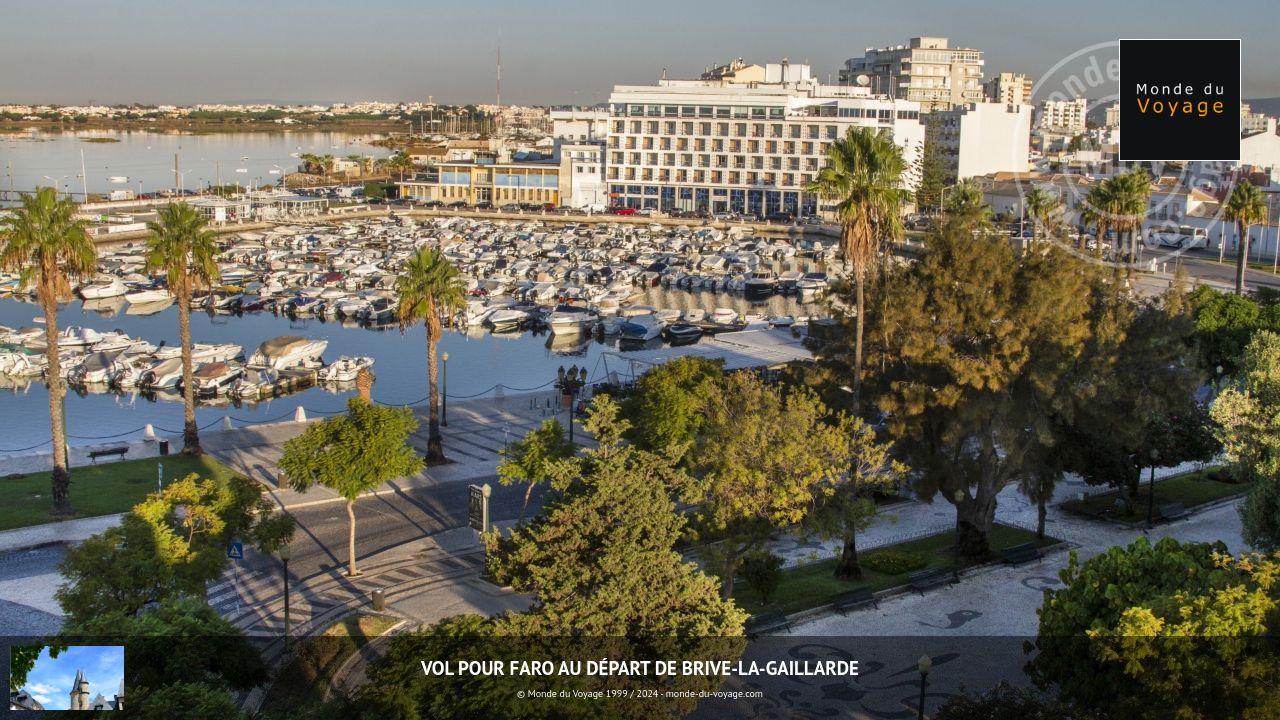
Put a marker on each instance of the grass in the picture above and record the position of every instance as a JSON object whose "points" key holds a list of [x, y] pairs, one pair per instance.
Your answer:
{"points": [[812, 585], [1191, 489], [104, 489], [304, 680]]}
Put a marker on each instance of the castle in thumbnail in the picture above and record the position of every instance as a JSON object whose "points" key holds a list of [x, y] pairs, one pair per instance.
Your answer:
{"points": [[22, 700]]}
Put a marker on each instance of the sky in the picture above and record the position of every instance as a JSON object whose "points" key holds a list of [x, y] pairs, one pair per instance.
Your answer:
{"points": [[49, 682], [553, 52]]}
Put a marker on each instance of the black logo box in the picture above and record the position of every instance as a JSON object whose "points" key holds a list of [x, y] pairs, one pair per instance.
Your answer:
{"points": [[1184, 64]]}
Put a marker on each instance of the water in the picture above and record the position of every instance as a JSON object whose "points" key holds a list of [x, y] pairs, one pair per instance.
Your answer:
{"points": [[34, 158], [477, 362]]}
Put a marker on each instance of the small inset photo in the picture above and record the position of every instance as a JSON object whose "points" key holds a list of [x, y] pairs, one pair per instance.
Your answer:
{"points": [[66, 677]]}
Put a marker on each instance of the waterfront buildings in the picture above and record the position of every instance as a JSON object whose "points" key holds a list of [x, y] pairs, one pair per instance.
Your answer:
{"points": [[485, 180], [1009, 88], [741, 138], [983, 138], [926, 70], [582, 183], [580, 125]]}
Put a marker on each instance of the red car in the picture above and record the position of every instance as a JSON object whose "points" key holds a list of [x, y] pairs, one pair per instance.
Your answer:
{"points": [[624, 211]]}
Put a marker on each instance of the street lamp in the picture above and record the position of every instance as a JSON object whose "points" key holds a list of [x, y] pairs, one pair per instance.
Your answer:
{"points": [[1151, 487], [284, 560], [55, 181], [444, 393], [569, 384], [958, 496], [924, 665]]}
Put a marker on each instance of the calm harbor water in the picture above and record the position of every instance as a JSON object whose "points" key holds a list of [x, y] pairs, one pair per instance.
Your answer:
{"points": [[36, 158], [477, 363]]}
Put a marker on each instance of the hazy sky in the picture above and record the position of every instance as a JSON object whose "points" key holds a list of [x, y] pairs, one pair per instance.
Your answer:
{"points": [[553, 51]]}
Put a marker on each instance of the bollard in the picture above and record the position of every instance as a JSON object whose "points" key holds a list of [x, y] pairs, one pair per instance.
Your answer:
{"points": [[379, 599], [300, 414], [226, 422], [148, 433], [164, 447]]}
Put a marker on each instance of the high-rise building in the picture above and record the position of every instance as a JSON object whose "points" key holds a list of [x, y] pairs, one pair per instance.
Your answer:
{"points": [[983, 138], [1009, 88], [741, 138], [1063, 116], [925, 71]]}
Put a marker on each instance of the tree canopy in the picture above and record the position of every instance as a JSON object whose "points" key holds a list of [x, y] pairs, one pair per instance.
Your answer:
{"points": [[1250, 432]]}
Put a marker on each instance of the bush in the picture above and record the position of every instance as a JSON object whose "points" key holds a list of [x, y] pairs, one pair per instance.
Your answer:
{"points": [[762, 572], [1004, 702], [893, 562]]}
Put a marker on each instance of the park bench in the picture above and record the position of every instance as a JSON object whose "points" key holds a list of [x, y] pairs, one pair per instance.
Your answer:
{"points": [[922, 580], [858, 597], [107, 452], [767, 621], [1018, 554], [1174, 511]]}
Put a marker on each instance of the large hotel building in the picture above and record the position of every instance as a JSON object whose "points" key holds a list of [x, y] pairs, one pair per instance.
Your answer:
{"points": [[741, 138]]}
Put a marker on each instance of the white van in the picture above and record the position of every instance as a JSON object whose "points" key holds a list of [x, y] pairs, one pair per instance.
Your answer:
{"points": [[1182, 236]]}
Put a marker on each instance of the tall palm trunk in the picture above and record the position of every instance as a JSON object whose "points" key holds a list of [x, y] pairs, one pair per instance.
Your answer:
{"points": [[351, 539], [57, 389], [1242, 256], [859, 282], [190, 433], [435, 444]]}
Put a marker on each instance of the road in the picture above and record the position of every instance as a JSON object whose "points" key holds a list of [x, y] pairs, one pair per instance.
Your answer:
{"points": [[1204, 265]]}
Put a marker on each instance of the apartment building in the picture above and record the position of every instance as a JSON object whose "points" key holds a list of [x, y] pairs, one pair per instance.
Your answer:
{"points": [[983, 138], [926, 70], [486, 181], [741, 138], [1009, 88], [582, 183], [1063, 116]]}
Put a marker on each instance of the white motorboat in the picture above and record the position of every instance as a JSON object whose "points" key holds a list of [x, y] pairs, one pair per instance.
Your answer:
{"points": [[214, 378], [162, 375], [254, 383], [95, 368], [127, 372], [149, 295], [103, 287], [287, 351], [642, 328], [667, 315], [611, 325], [78, 337], [345, 368], [570, 319], [17, 364], [202, 352], [681, 333], [151, 308], [507, 319], [812, 285], [724, 316], [694, 315]]}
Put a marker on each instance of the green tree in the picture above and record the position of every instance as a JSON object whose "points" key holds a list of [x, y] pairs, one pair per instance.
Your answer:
{"points": [[1224, 324], [352, 454], [1249, 418], [1005, 702], [1245, 207], [965, 205], [48, 247], [171, 544], [933, 172], [863, 176], [665, 413], [528, 460], [762, 572], [1131, 192], [764, 459], [1044, 208], [1163, 631], [22, 658], [1097, 213], [430, 290], [184, 660], [183, 249]]}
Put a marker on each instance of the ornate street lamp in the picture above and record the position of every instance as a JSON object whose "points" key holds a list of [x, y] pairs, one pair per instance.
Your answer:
{"points": [[924, 665], [569, 383]]}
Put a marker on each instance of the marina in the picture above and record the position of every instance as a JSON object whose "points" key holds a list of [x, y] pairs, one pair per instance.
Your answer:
{"points": [[539, 294]]}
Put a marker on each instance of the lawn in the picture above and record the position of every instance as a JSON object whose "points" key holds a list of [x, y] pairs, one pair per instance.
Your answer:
{"points": [[809, 586], [304, 680], [102, 489], [1191, 489]]}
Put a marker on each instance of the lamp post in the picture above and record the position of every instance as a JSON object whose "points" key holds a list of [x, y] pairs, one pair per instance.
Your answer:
{"points": [[1151, 487], [55, 181], [569, 383], [924, 665], [958, 496], [284, 560], [444, 391]]}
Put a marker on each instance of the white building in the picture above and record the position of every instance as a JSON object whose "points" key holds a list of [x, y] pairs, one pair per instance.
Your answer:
{"points": [[1251, 122], [1113, 115], [1063, 116], [580, 125], [984, 138], [925, 70], [1009, 88], [742, 138], [582, 183]]}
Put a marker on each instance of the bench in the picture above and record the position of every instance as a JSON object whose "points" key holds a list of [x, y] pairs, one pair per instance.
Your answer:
{"points": [[922, 580], [108, 452], [767, 621], [1018, 554], [1174, 511], [858, 597]]}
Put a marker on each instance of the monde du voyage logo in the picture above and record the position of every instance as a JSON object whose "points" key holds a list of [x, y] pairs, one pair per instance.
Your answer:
{"points": [[1179, 100]]}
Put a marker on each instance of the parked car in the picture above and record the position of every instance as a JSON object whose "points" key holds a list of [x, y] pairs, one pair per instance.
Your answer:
{"points": [[484, 206], [624, 211], [780, 217], [457, 204]]}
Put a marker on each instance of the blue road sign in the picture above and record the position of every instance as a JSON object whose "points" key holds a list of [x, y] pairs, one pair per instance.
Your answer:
{"points": [[235, 551]]}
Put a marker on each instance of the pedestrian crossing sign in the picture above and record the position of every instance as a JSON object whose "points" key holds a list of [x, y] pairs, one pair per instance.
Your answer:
{"points": [[235, 551]]}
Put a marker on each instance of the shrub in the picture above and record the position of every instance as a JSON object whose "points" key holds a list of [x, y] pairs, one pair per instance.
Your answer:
{"points": [[762, 572], [894, 562]]}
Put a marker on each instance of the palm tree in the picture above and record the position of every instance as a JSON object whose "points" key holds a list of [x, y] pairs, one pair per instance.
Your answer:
{"points": [[1097, 212], [1042, 206], [44, 242], [183, 249], [1132, 192], [863, 176], [430, 290], [1246, 208], [965, 204]]}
